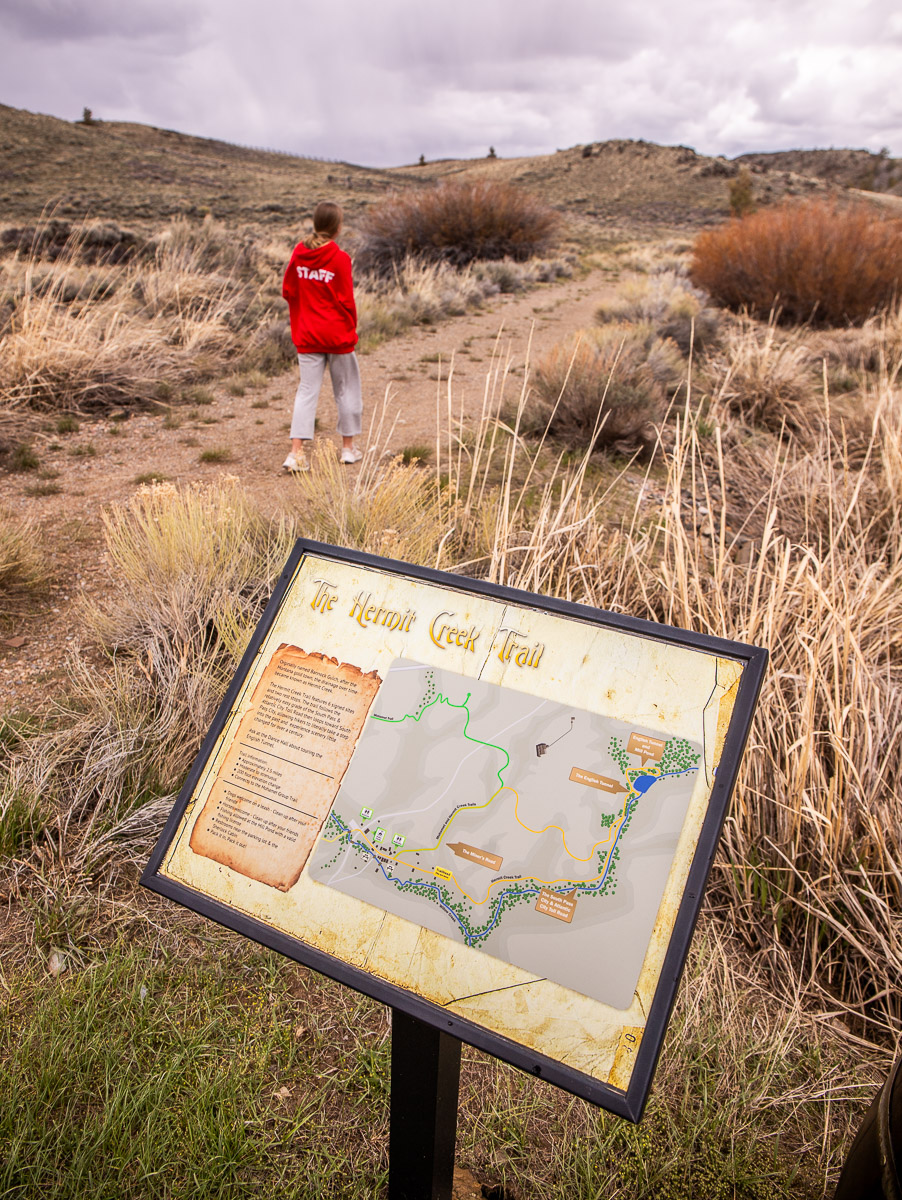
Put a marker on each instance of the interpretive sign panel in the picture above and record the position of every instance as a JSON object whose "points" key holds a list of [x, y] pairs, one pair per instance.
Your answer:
{"points": [[493, 810]]}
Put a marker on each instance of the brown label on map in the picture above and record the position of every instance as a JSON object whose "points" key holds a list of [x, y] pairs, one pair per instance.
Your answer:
{"points": [[646, 747], [282, 771], [552, 904], [590, 779], [473, 854]]}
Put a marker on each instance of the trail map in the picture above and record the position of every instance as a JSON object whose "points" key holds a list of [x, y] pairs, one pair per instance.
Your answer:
{"points": [[539, 833]]}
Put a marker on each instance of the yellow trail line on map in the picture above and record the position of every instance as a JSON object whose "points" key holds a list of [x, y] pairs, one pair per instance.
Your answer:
{"points": [[400, 857], [523, 878]]}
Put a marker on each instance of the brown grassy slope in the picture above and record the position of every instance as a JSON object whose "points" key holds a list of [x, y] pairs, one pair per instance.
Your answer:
{"points": [[633, 182], [138, 174], [845, 168]]}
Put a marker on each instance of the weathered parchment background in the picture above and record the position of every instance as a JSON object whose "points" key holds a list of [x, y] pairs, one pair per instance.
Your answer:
{"points": [[284, 766], [680, 691]]}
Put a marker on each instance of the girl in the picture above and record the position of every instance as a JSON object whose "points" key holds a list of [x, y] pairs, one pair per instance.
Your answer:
{"points": [[320, 295]]}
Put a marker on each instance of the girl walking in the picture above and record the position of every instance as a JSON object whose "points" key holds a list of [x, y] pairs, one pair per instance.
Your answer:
{"points": [[320, 295]]}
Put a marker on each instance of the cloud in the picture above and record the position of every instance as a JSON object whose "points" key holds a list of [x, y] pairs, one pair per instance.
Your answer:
{"points": [[54, 21], [383, 83]]}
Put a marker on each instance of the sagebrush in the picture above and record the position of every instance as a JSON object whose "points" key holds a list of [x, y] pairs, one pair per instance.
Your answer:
{"points": [[456, 223]]}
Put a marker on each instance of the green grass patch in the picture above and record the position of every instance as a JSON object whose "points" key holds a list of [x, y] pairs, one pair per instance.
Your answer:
{"points": [[227, 1071], [145, 1077], [198, 395], [149, 477], [21, 821], [216, 454], [23, 458], [415, 454], [43, 488]]}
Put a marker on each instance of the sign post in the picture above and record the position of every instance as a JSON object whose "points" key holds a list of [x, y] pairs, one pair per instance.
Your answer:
{"points": [[425, 1079], [493, 811]]}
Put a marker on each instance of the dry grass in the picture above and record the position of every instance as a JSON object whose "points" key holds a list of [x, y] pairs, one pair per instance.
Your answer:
{"points": [[456, 223], [23, 568], [78, 341], [764, 377], [810, 261], [670, 304], [195, 567], [388, 507]]}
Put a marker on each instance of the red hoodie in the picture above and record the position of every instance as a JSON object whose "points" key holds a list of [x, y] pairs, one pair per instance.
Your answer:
{"points": [[320, 295]]}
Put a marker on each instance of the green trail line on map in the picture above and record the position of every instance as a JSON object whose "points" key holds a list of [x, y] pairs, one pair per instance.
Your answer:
{"points": [[440, 699]]}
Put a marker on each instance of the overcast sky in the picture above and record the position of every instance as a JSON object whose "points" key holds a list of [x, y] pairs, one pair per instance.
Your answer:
{"points": [[380, 82]]}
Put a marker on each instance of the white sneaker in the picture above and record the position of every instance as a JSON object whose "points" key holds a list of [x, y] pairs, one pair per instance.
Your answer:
{"points": [[350, 454], [296, 462]]}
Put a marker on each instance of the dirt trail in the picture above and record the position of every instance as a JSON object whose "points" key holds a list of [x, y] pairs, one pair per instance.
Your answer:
{"points": [[104, 460]]}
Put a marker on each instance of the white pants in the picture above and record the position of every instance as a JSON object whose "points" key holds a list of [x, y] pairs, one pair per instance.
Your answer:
{"points": [[345, 375]]}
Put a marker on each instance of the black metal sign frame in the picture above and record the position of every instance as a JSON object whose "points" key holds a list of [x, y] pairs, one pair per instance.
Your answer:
{"points": [[629, 1103]]}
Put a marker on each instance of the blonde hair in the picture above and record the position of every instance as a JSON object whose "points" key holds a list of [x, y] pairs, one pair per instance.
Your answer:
{"points": [[326, 224]]}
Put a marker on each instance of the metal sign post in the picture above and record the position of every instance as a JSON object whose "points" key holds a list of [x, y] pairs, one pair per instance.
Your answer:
{"points": [[425, 1079]]}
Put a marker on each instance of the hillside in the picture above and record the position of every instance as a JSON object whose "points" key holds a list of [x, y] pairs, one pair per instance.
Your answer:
{"points": [[844, 168], [139, 174]]}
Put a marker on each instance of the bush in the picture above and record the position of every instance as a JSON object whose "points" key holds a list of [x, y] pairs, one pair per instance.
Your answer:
{"points": [[742, 195], [810, 261], [598, 390], [671, 304], [455, 223]]}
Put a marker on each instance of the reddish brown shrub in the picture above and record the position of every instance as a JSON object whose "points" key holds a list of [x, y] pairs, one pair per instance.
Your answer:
{"points": [[811, 261], [455, 223]]}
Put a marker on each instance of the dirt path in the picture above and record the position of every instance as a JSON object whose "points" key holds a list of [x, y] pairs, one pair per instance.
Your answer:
{"points": [[105, 460]]}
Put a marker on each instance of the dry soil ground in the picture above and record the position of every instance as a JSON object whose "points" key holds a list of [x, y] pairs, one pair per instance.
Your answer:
{"points": [[105, 460]]}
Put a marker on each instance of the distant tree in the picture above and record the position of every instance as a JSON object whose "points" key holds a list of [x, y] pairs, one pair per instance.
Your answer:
{"points": [[87, 117], [491, 153], [742, 197], [422, 162]]}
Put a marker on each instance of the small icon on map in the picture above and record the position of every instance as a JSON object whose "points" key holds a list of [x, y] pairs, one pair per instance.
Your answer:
{"points": [[379, 835], [399, 839], [365, 814], [543, 747]]}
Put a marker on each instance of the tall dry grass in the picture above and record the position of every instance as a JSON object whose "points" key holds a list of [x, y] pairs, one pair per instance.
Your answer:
{"points": [[79, 342], [24, 569], [193, 568]]}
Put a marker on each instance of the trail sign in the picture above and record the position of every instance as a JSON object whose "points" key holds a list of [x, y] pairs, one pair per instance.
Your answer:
{"points": [[493, 811]]}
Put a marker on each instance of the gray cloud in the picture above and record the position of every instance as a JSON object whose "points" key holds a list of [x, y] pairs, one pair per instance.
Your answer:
{"points": [[383, 83], [51, 21]]}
